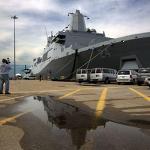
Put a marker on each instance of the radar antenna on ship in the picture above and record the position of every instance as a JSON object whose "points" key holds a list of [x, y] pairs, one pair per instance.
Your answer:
{"points": [[51, 33], [46, 32], [87, 17], [104, 33]]}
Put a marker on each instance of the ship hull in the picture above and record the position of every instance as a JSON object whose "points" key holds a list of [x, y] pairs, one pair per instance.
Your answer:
{"points": [[108, 56], [117, 53]]}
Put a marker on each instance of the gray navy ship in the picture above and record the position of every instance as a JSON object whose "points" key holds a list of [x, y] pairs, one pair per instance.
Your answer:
{"points": [[77, 47]]}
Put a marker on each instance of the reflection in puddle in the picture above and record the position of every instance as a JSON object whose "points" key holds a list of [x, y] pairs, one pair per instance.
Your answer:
{"points": [[67, 116], [85, 131]]}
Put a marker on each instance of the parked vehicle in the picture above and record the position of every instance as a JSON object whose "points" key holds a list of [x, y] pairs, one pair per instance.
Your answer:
{"points": [[32, 77], [143, 73], [18, 76], [105, 75], [29, 77], [26, 77], [83, 75], [127, 76], [147, 81]]}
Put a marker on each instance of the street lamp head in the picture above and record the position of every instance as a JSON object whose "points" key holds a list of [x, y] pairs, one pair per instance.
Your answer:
{"points": [[14, 17]]}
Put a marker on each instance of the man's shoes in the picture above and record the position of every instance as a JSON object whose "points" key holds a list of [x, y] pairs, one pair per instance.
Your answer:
{"points": [[7, 93]]}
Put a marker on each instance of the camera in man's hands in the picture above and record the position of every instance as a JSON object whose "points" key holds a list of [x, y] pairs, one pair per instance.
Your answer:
{"points": [[7, 61]]}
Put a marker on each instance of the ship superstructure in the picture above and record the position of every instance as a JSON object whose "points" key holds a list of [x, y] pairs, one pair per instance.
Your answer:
{"points": [[78, 47]]}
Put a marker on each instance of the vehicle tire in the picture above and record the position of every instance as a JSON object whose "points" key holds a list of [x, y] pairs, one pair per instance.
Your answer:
{"points": [[139, 83], [133, 82], [118, 83], [95, 82], [107, 81]]}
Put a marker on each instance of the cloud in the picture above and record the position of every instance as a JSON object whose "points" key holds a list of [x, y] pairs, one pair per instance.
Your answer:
{"points": [[115, 17], [120, 18]]}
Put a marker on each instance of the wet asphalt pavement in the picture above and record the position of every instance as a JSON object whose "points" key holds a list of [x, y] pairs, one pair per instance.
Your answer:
{"points": [[52, 123]]}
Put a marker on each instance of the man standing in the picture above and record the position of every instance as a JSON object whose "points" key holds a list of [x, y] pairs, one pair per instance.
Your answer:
{"points": [[4, 76]]}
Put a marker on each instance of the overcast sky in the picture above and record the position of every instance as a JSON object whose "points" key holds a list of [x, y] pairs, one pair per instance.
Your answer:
{"points": [[116, 17]]}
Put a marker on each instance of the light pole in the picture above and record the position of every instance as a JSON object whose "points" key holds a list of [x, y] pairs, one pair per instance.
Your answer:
{"points": [[14, 17]]}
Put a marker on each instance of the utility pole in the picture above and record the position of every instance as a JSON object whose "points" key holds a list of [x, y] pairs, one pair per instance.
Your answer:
{"points": [[14, 17]]}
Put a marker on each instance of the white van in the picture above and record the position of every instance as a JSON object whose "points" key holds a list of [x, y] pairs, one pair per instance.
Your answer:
{"points": [[127, 76], [29, 77], [147, 81], [82, 75], [105, 75]]}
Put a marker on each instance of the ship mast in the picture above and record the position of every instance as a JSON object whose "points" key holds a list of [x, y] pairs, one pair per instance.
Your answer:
{"points": [[77, 21]]}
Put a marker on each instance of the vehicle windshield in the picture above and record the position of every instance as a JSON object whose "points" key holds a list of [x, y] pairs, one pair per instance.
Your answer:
{"points": [[98, 71], [84, 71], [144, 71], [78, 71], [93, 71], [123, 72]]}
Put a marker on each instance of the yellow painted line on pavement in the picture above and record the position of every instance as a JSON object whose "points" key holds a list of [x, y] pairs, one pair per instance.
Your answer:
{"points": [[24, 92], [69, 94], [8, 99], [114, 87], [101, 103], [140, 94], [4, 121]]}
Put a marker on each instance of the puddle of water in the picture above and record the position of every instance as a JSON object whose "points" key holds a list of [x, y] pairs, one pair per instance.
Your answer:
{"points": [[77, 129]]}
